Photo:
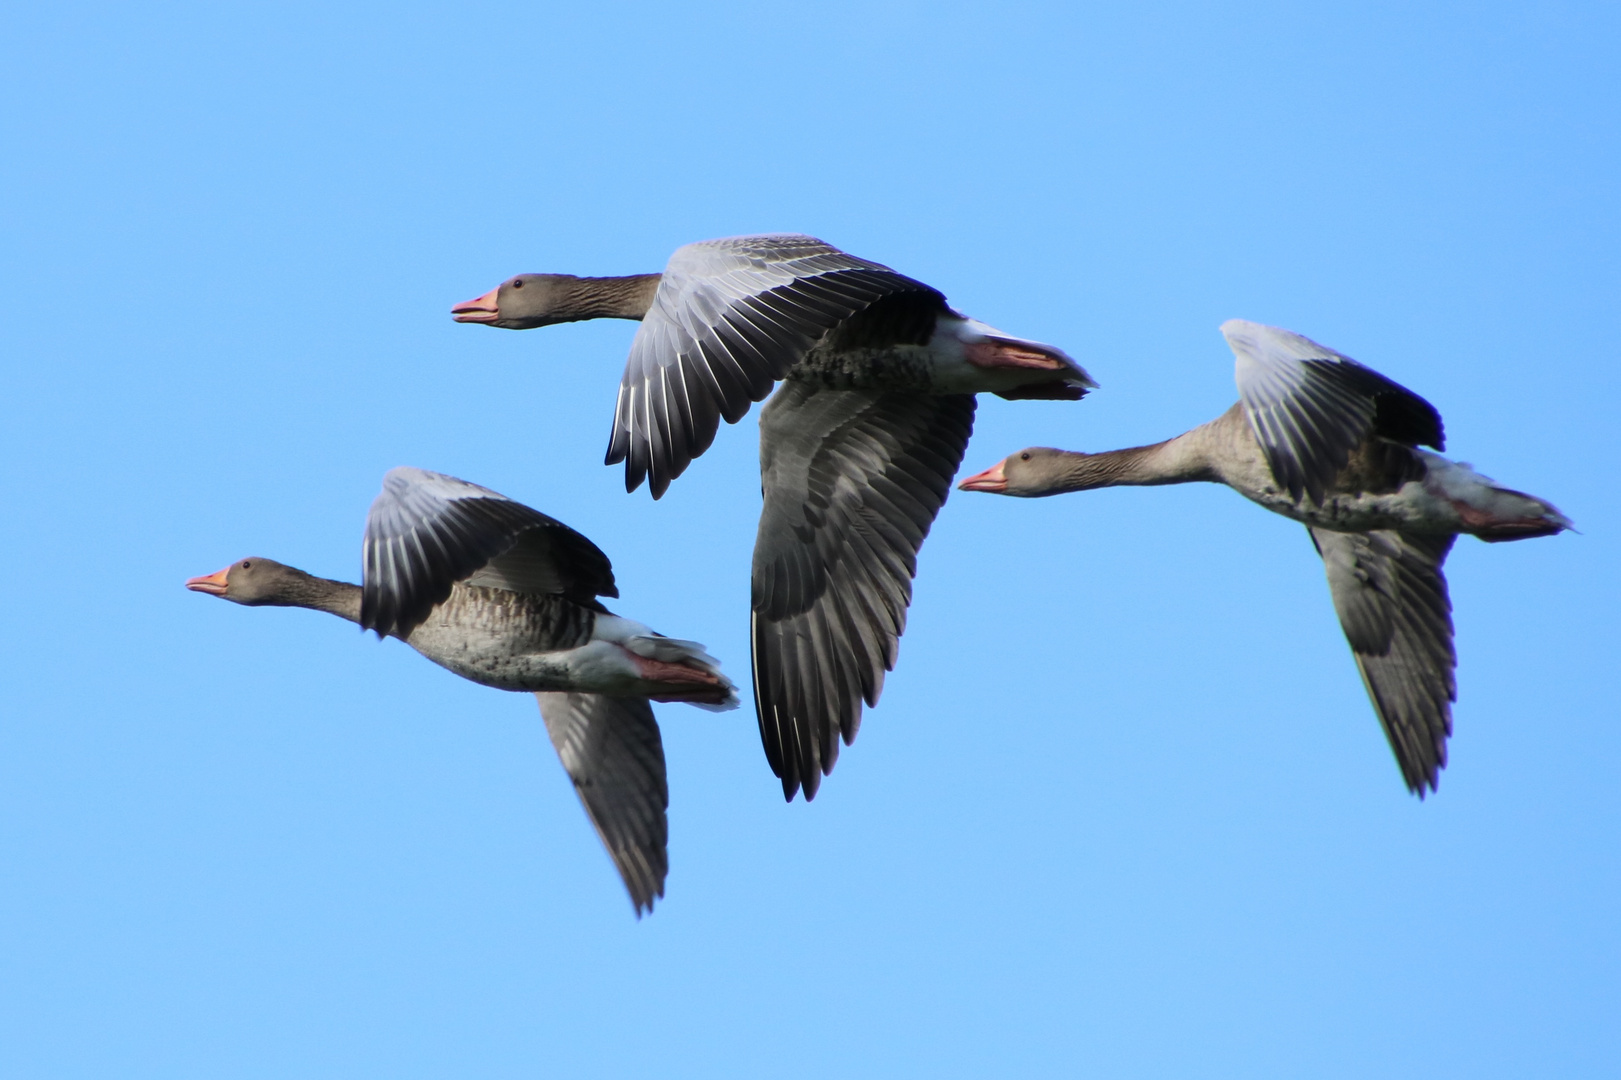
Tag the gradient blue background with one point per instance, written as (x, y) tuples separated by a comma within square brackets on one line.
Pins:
[(1124, 809)]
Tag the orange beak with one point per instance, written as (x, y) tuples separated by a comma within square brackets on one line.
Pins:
[(486, 308), (213, 584), (992, 479)]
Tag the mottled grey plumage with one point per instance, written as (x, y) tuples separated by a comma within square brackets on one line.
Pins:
[(509, 640), (729, 319), (1391, 597), (853, 480), (611, 749)]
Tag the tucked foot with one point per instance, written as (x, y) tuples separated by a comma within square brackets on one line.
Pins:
[(685, 683), (1495, 528)]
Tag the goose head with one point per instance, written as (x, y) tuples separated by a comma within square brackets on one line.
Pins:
[(1034, 471), (519, 303), (255, 582)]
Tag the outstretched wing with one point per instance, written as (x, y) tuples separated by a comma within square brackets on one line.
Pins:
[(1310, 407), (1391, 598), (729, 319), (853, 480), (610, 748), (427, 531)]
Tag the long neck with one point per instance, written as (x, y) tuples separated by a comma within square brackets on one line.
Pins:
[(629, 297), (320, 594), (1175, 461)]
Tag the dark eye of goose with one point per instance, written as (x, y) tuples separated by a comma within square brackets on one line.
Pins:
[(1025, 456), (246, 563), (517, 283)]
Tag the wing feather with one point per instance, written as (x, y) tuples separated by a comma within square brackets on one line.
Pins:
[(611, 749), (731, 317), (1391, 598), (1311, 407), (853, 480), (426, 531)]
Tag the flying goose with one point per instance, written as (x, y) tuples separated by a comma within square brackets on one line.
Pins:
[(857, 449), (1318, 437), (505, 596)]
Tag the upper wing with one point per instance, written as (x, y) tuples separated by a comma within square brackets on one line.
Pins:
[(427, 531), (729, 319), (1391, 598), (610, 748), (852, 482), (1309, 406)]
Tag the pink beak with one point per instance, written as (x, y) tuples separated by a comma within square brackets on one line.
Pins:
[(486, 308), (212, 584), (992, 479)]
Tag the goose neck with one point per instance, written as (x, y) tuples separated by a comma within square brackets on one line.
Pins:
[(628, 297), (1174, 461), (338, 598)]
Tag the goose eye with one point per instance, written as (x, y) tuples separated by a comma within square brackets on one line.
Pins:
[(246, 563), (1025, 456), (517, 283)]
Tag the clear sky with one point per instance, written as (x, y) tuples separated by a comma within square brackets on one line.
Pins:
[(1124, 809)]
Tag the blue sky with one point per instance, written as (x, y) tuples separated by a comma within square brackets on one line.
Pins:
[(1124, 809)]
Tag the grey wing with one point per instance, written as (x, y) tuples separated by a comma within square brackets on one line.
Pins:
[(729, 318), (852, 480), (1391, 597), (611, 750), (1310, 407), (427, 531)]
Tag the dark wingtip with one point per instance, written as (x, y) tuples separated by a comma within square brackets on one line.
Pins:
[(1425, 780)]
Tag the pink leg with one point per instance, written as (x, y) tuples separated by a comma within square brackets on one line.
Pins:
[(1496, 529), (687, 683)]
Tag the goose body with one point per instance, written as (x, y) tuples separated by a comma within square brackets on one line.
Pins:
[(1383, 485), (729, 318), (506, 597), (857, 447), (517, 641), (1323, 440)]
